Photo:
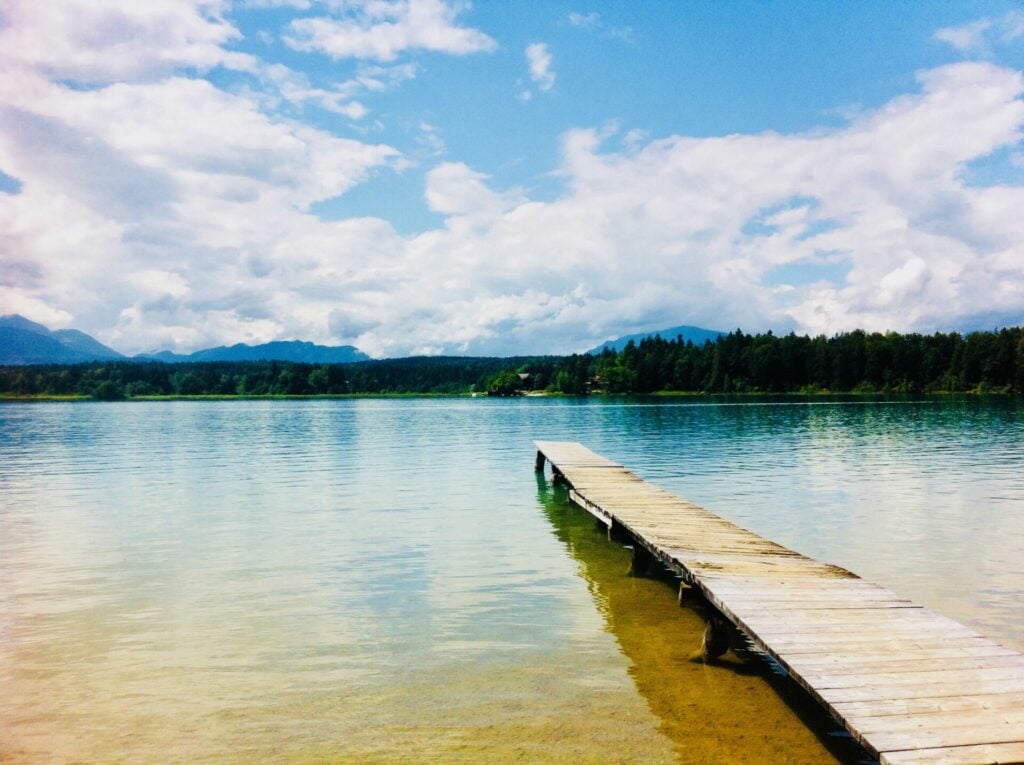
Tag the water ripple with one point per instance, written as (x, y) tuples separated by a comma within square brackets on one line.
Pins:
[(279, 550)]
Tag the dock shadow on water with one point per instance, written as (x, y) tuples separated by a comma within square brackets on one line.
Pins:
[(734, 710)]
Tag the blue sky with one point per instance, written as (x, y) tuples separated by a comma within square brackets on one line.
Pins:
[(662, 68), (415, 176)]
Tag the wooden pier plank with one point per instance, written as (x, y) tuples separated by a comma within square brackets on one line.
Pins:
[(981, 754), (911, 685), (928, 673), (961, 718), (927, 706), (861, 663), (941, 737)]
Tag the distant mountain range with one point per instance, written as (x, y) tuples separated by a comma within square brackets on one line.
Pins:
[(25, 342), (696, 335), (279, 350)]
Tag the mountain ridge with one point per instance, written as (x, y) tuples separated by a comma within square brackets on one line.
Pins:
[(301, 351), (24, 342), (696, 335)]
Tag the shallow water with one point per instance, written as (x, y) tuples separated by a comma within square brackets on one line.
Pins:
[(386, 581)]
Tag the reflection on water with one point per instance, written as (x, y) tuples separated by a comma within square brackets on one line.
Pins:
[(728, 711), (377, 581)]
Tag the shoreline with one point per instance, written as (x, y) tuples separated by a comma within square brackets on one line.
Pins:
[(664, 394)]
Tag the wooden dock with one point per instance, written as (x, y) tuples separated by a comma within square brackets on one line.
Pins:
[(910, 685)]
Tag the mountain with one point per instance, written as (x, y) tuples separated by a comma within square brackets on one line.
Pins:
[(83, 343), (16, 321), (281, 350), (696, 335), (26, 342)]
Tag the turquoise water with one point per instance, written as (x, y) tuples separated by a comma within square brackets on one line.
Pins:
[(385, 580)]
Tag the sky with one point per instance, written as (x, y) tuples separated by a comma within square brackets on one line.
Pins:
[(439, 177)]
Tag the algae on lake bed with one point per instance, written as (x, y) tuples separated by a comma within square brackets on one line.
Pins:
[(726, 711)]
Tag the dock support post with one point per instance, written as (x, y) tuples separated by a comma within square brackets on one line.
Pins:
[(616, 533), (686, 595), (641, 560), (538, 465), (717, 637)]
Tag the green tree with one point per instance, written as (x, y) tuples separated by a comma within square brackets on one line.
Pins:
[(504, 383)]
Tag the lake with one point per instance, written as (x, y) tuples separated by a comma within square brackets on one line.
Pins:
[(389, 581)]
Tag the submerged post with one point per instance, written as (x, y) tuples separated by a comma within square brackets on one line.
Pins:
[(538, 465), (717, 637), (616, 531), (641, 560), (686, 594)]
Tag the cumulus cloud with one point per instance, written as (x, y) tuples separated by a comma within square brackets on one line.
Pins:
[(383, 29), (104, 40), (455, 189), (695, 229), (538, 57), (147, 202), (159, 210)]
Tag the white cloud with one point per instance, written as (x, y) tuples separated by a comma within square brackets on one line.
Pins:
[(162, 210), (538, 56), (375, 78), (431, 144), (295, 88), (457, 190), (301, 5), (589, 21), (979, 36), (383, 29), (105, 40), (659, 233), (967, 37), (280, 82), (1013, 26), (593, 23)]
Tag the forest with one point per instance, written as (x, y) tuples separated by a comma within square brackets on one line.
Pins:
[(857, 362)]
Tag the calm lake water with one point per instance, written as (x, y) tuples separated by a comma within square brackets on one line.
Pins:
[(388, 581)]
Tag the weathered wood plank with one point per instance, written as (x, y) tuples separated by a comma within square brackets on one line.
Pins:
[(940, 737), (980, 754), (923, 691), (853, 663), (960, 718), (795, 618), (879, 644), (863, 710), (964, 677)]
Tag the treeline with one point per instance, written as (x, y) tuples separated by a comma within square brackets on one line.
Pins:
[(735, 363), (850, 362), (132, 379)]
